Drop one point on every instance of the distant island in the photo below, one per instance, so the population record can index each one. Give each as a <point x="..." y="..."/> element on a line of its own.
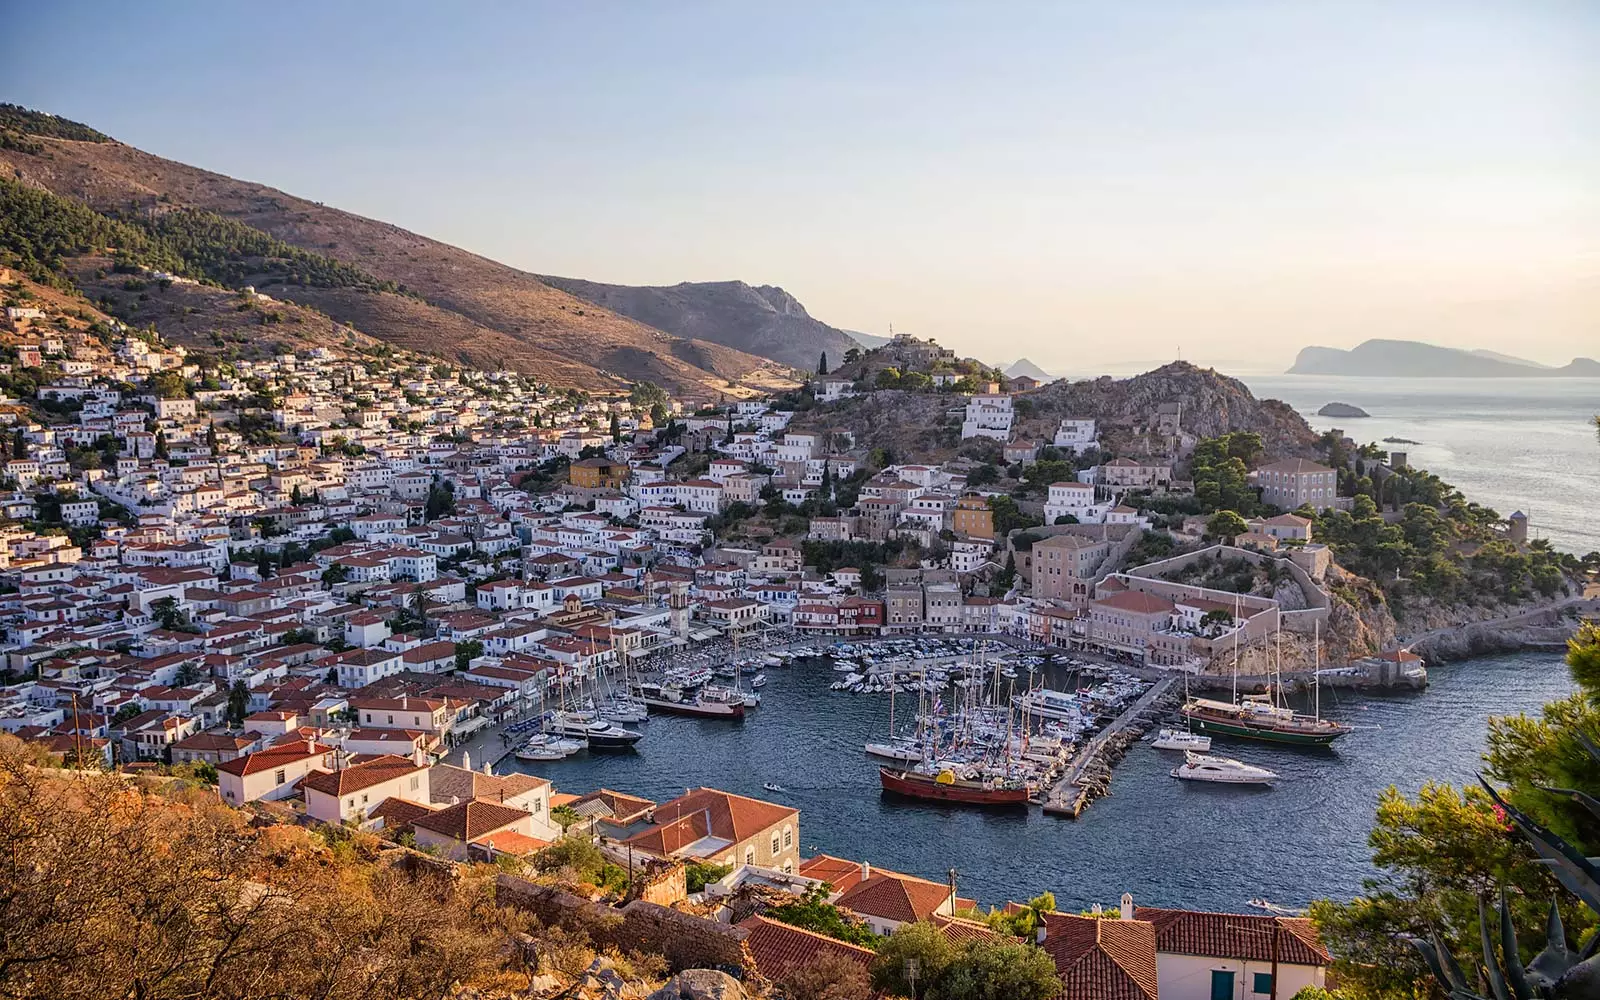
<point x="1023" y="368"/>
<point x="1394" y="440"/>
<point x="1413" y="359"/>
<point x="1342" y="410"/>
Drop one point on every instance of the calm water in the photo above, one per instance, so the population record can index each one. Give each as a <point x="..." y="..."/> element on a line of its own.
<point x="1168" y="842"/>
<point x="1512" y="444"/>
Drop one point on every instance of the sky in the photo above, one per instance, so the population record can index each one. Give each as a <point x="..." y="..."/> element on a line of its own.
<point x="1089" y="185"/>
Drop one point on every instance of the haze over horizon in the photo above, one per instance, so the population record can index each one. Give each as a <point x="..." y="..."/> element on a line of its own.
<point x="1080" y="185"/>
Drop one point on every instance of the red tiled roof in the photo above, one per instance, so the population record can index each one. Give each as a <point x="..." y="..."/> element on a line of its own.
<point x="1239" y="936"/>
<point x="892" y="896"/>
<point x="706" y="812"/>
<point x="358" y="776"/>
<point x="960" y="931"/>
<point x="468" y="821"/>
<point x="264" y="760"/>
<point x="1101" y="958"/>
<point x="399" y="814"/>
<point x="778" y="947"/>
<point x="1136" y="601"/>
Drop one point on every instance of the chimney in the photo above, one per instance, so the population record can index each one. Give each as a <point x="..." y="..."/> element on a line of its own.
<point x="866" y="871"/>
<point x="1127" y="906"/>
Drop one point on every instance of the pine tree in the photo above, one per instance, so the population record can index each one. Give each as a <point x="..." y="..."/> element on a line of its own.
<point x="19" y="445"/>
<point x="822" y="365"/>
<point x="616" y="430"/>
<point x="211" y="437"/>
<point x="263" y="565"/>
<point x="295" y="496"/>
<point x="161" y="444"/>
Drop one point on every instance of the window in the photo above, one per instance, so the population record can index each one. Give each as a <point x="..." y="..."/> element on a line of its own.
<point x="1262" y="983"/>
<point x="414" y="784"/>
<point x="278" y="777"/>
<point x="775" y="847"/>
<point x="788" y="837"/>
<point x="749" y="855"/>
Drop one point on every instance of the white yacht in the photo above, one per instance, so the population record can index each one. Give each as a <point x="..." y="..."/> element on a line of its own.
<point x="1047" y="704"/>
<point x="1225" y="770"/>
<point x="1181" y="739"/>
<point x="900" y="750"/>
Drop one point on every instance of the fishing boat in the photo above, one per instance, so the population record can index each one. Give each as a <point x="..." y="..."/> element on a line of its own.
<point x="1181" y="739"/>
<point x="773" y="786"/>
<point x="945" y="786"/>
<point x="1260" y="903"/>
<point x="758" y="681"/>
<point x="1222" y="770"/>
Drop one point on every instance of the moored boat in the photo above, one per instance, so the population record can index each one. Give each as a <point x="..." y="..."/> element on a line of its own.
<point x="1259" y="719"/>
<point x="1222" y="770"/>
<point x="946" y="787"/>
<point x="1181" y="739"/>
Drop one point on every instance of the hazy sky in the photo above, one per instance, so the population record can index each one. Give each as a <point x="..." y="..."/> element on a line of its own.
<point x="1083" y="184"/>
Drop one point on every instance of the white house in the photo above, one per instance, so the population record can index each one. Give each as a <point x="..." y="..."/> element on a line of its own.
<point x="989" y="414"/>
<point x="352" y="793"/>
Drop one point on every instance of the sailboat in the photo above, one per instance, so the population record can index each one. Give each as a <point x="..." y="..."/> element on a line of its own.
<point x="1258" y="717"/>
<point x="898" y="748"/>
<point x="1182" y="739"/>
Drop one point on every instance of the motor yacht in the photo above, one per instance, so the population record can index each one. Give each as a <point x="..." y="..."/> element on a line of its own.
<point x="1181" y="739"/>
<point x="1223" y="770"/>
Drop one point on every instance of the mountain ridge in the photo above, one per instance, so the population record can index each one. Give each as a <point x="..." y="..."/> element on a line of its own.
<point x="1415" y="359"/>
<point x="464" y="306"/>
<point x="764" y="320"/>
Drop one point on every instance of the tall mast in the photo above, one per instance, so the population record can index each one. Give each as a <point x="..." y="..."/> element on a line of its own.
<point x="1236" y="649"/>
<point x="1316" y="669"/>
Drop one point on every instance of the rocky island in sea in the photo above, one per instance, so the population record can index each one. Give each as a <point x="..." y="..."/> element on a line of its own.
<point x="1344" y="410"/>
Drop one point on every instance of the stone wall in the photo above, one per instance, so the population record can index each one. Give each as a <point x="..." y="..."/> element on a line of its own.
<point x="1318" y="603"/>
<point x="685" y="940"/>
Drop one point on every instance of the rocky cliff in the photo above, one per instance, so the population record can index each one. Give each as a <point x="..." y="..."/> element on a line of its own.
<point x="763" y="320"/>
<point x="1212" y="404"/>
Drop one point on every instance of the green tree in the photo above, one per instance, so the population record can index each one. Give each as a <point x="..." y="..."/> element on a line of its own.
<point x="1003" y="970"/>
<point x="616" y="429"/>
<point x="19" y="444"/>
<point x="822" y="364"/>
<point x="336" y="574"/>
<point x="814" y="913"/>
<point x="697" y="874"/>
<point x="211" y="438"/>
<point x="466" y="652"/>
<point x="911" y="961"/>
<point x="1226" y="525"/>
<point x="167" y="613"/>
<point x="1441" y="854"/>
<point x="295" y="496"/>
<point x="161" y="443"/>
<point x="238" y="703"/>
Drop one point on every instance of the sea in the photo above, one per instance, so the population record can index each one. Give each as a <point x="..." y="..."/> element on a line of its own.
<point x="1512" y="444"/>
<point x="1166" y="841"/>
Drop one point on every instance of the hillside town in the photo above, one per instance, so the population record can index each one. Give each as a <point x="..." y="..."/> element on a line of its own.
<point x="322" y="580"/>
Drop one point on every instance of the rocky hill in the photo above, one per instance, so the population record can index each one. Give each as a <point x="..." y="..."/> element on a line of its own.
<point x="1412" y="359"/>
<point x="758" y="319"/>
<point x="457" y="305"/>
<point x="1213" y="404"/>
<point x="1023" y="368"/>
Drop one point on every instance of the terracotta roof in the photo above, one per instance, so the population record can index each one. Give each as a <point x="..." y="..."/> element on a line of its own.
<point x="1136" y="601"/>
<point x="398" y="814"/>
<point x="708" y="812"/>
<point x="468" y="821"/>
<point x="1102" y="959"/>
<point x="1294" y="466"/>
<point x="778" y="947"/>
<point x="358" y="776"/>
<point x="512" y="842"/>
<point x="212" y="741"/>
<point x="265" y="760"/>
<point x="960" y="931"/>
<point x="1240" y="936"/>
<point x="446" y="782"/>
<point x="892" y="896"/>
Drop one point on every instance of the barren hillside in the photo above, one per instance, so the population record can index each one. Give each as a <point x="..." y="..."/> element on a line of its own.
<point x="502" y="313"/>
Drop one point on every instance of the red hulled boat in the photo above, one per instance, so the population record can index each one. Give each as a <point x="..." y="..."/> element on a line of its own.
<point x="946" y="787"/>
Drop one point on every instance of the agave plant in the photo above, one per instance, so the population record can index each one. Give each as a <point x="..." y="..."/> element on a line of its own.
<point x="1557" y="972"/>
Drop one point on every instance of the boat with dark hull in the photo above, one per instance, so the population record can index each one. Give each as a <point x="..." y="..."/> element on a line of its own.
<point x="1259" y="719"/>
<point x="946" y="787"/>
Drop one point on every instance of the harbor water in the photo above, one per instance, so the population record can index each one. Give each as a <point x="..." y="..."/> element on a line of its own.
<point x="1168" y="842"/>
